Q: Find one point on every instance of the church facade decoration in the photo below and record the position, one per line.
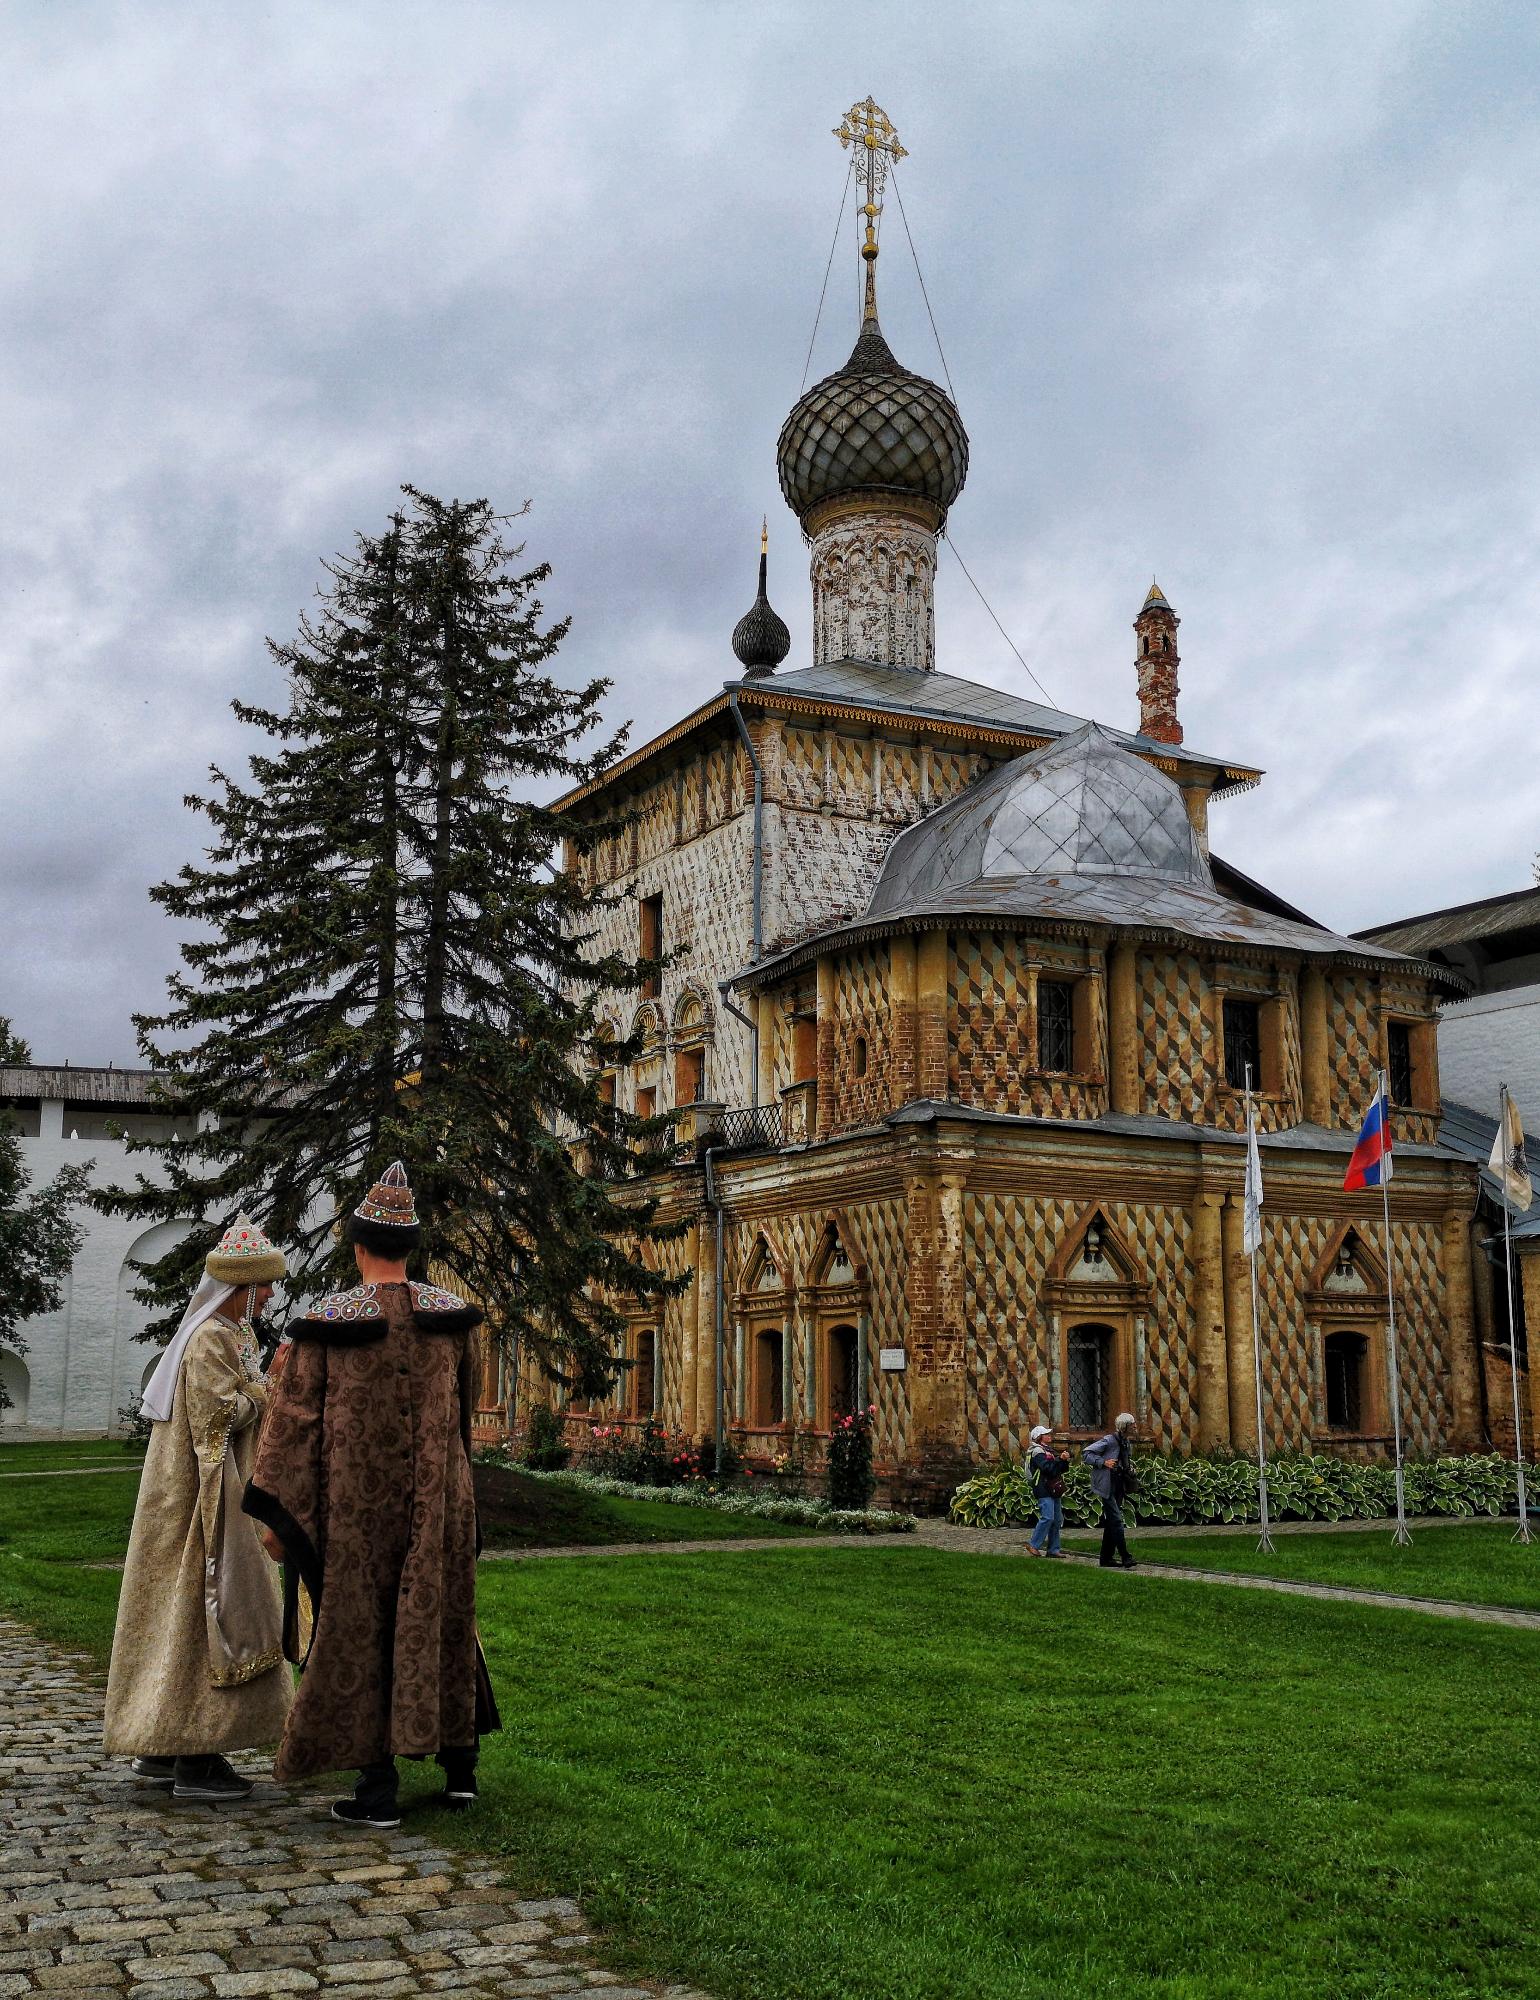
(987, 1008)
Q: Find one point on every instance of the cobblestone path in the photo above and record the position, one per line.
(110, 1892)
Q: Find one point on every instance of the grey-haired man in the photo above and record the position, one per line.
(1111, 1461)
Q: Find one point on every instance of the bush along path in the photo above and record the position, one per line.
(107, 1890)
(1300, 1487)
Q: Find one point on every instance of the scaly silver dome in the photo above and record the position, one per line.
(872, 426)
(1083, 806)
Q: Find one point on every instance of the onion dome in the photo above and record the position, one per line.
(760, 637)
(872, 427)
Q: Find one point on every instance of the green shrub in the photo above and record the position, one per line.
(1305, 1486)
(750, 1506)
(848, 1472)
(544, 1449)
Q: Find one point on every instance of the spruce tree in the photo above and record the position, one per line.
(39, 1237)
(390, 960)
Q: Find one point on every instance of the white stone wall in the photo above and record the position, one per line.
(82, 1363)
(874, 578)
(1488, 1041)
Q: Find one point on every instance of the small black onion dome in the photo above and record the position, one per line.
(872, 424)
(760, 637)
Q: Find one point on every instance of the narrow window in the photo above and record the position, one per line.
(842, 1372)
(605, 1087)
(804, 1047)
(644, 1376)
(650, 942)
(767, 1379)
(860, 1058)
(1398, 1049)
(1243, 1043)
(1346, 1355)
(1090, 1377)
(647, 1102)
(689, 1076)
(1056, 1026)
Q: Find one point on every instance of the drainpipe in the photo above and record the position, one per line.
(759, 812)
(714, 1200)
(751, 1022)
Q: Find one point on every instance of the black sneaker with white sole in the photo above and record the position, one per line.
(379, 1818)
(460, 1791)
(155, 1770)
(209, 1781)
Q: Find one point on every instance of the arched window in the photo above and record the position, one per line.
(843, 1376)
(860, 1055)
(1346, 1356)
(768, 1376)
(1090, 1377)
(644, 1376)
(17, 1383)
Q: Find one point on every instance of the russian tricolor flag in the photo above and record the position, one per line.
(1371, 1165)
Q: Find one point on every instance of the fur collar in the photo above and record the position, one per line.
(352, 1317)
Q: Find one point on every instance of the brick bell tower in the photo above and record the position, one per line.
(1157, 661)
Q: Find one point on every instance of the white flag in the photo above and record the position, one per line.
(1508, 1161)
(1251, 1233)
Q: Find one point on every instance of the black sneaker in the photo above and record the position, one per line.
(209, 1781)
(1128, 1563)
(353, 1812)
(155, 1770)
(460, 1791)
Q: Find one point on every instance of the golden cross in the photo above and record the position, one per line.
(868, 126)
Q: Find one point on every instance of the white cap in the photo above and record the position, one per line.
(1041, 1431)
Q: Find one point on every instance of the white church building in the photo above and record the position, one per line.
(83, 1363)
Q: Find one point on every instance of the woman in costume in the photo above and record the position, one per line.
(197, 1657)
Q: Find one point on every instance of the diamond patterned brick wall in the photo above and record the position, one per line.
(902, 791)
(1352, 1031)
(825, 865)
(802, 772)
(1160, 1238)
(989, 1049)
(1421, 1336)
(1006, 1249)
(850, 774)
(1174, 1036)
(862, 1013)
(1292, 1248)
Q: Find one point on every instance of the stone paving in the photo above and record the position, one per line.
(108, 1891)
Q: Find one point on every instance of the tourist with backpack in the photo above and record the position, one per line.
(1112, 1480)
(1048, 1468)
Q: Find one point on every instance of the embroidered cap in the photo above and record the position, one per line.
(245, 1256)
(390, 1200)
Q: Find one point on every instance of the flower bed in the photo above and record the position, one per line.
(1300, 1487)
(750, 1506)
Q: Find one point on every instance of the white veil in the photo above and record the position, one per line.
(160, 1390)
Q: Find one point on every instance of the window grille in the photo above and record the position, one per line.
(1056, 1026)
(1090, 1370)
(1243, 1043)
(1398, 1040)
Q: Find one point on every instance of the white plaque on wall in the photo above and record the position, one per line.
(891, 1359)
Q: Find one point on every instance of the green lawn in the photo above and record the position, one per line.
(1467, 1562)
(895, 1774)
(901, 1775)
(68, 1454)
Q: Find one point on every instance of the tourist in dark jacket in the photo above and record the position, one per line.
(1111, 1461)
(1048, 1468)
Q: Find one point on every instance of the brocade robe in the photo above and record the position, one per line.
(364, 1475)
(197, 1662)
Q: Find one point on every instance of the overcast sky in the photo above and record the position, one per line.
(1243, 297)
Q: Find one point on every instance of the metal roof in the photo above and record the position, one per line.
(945, 698)
(1083, 832)
(1471, 1134)
(25, 1081)
(1464, 923)
(1082, 806)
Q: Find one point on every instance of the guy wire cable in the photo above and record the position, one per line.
(951, 391)
(823, 293)
(924, 294)
(1032, 677)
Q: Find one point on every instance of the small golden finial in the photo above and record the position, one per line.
(869, 126)
(764, 534)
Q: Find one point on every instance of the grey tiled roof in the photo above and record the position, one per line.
(1466, 923)
(912, 691)
(24, 1081)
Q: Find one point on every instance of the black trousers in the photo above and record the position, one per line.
(377, 1782)
(1114, 1540)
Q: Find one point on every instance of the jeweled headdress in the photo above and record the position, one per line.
(390, 1200)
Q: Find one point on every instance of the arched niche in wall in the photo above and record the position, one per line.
(836, 1300)
(762, 1336)
(16, 1379)
(132, 1316)
(1097, 1300)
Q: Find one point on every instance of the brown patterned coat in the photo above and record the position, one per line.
(364, 1475)
(196, 1665)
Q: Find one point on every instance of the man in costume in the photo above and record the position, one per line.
(363, 1482)
(197, 1660)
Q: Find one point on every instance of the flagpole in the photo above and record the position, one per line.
(1265, 1540)
(1393, 1357)
(1523, 1534)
